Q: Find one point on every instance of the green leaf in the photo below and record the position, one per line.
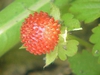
(99, 60)
(86, 10)
(62, 53)
(55, 12)
(50, 57)
(66, 47)
(11, 20)
(63, 5)
(84, 64)
(72, 47)
(70, 21)
(95, 39)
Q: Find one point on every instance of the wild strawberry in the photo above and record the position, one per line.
(40, 33)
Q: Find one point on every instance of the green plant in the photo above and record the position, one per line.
(73, 15)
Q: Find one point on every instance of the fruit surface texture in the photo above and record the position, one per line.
(40, 33)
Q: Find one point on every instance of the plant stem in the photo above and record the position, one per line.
(82, 42)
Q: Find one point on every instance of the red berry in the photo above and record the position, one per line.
(40, 33)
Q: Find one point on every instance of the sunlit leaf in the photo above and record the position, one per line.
(55, 12)
(62, 53)
(50, 57)
(70, 22)
(86, 10)
(72, 47)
